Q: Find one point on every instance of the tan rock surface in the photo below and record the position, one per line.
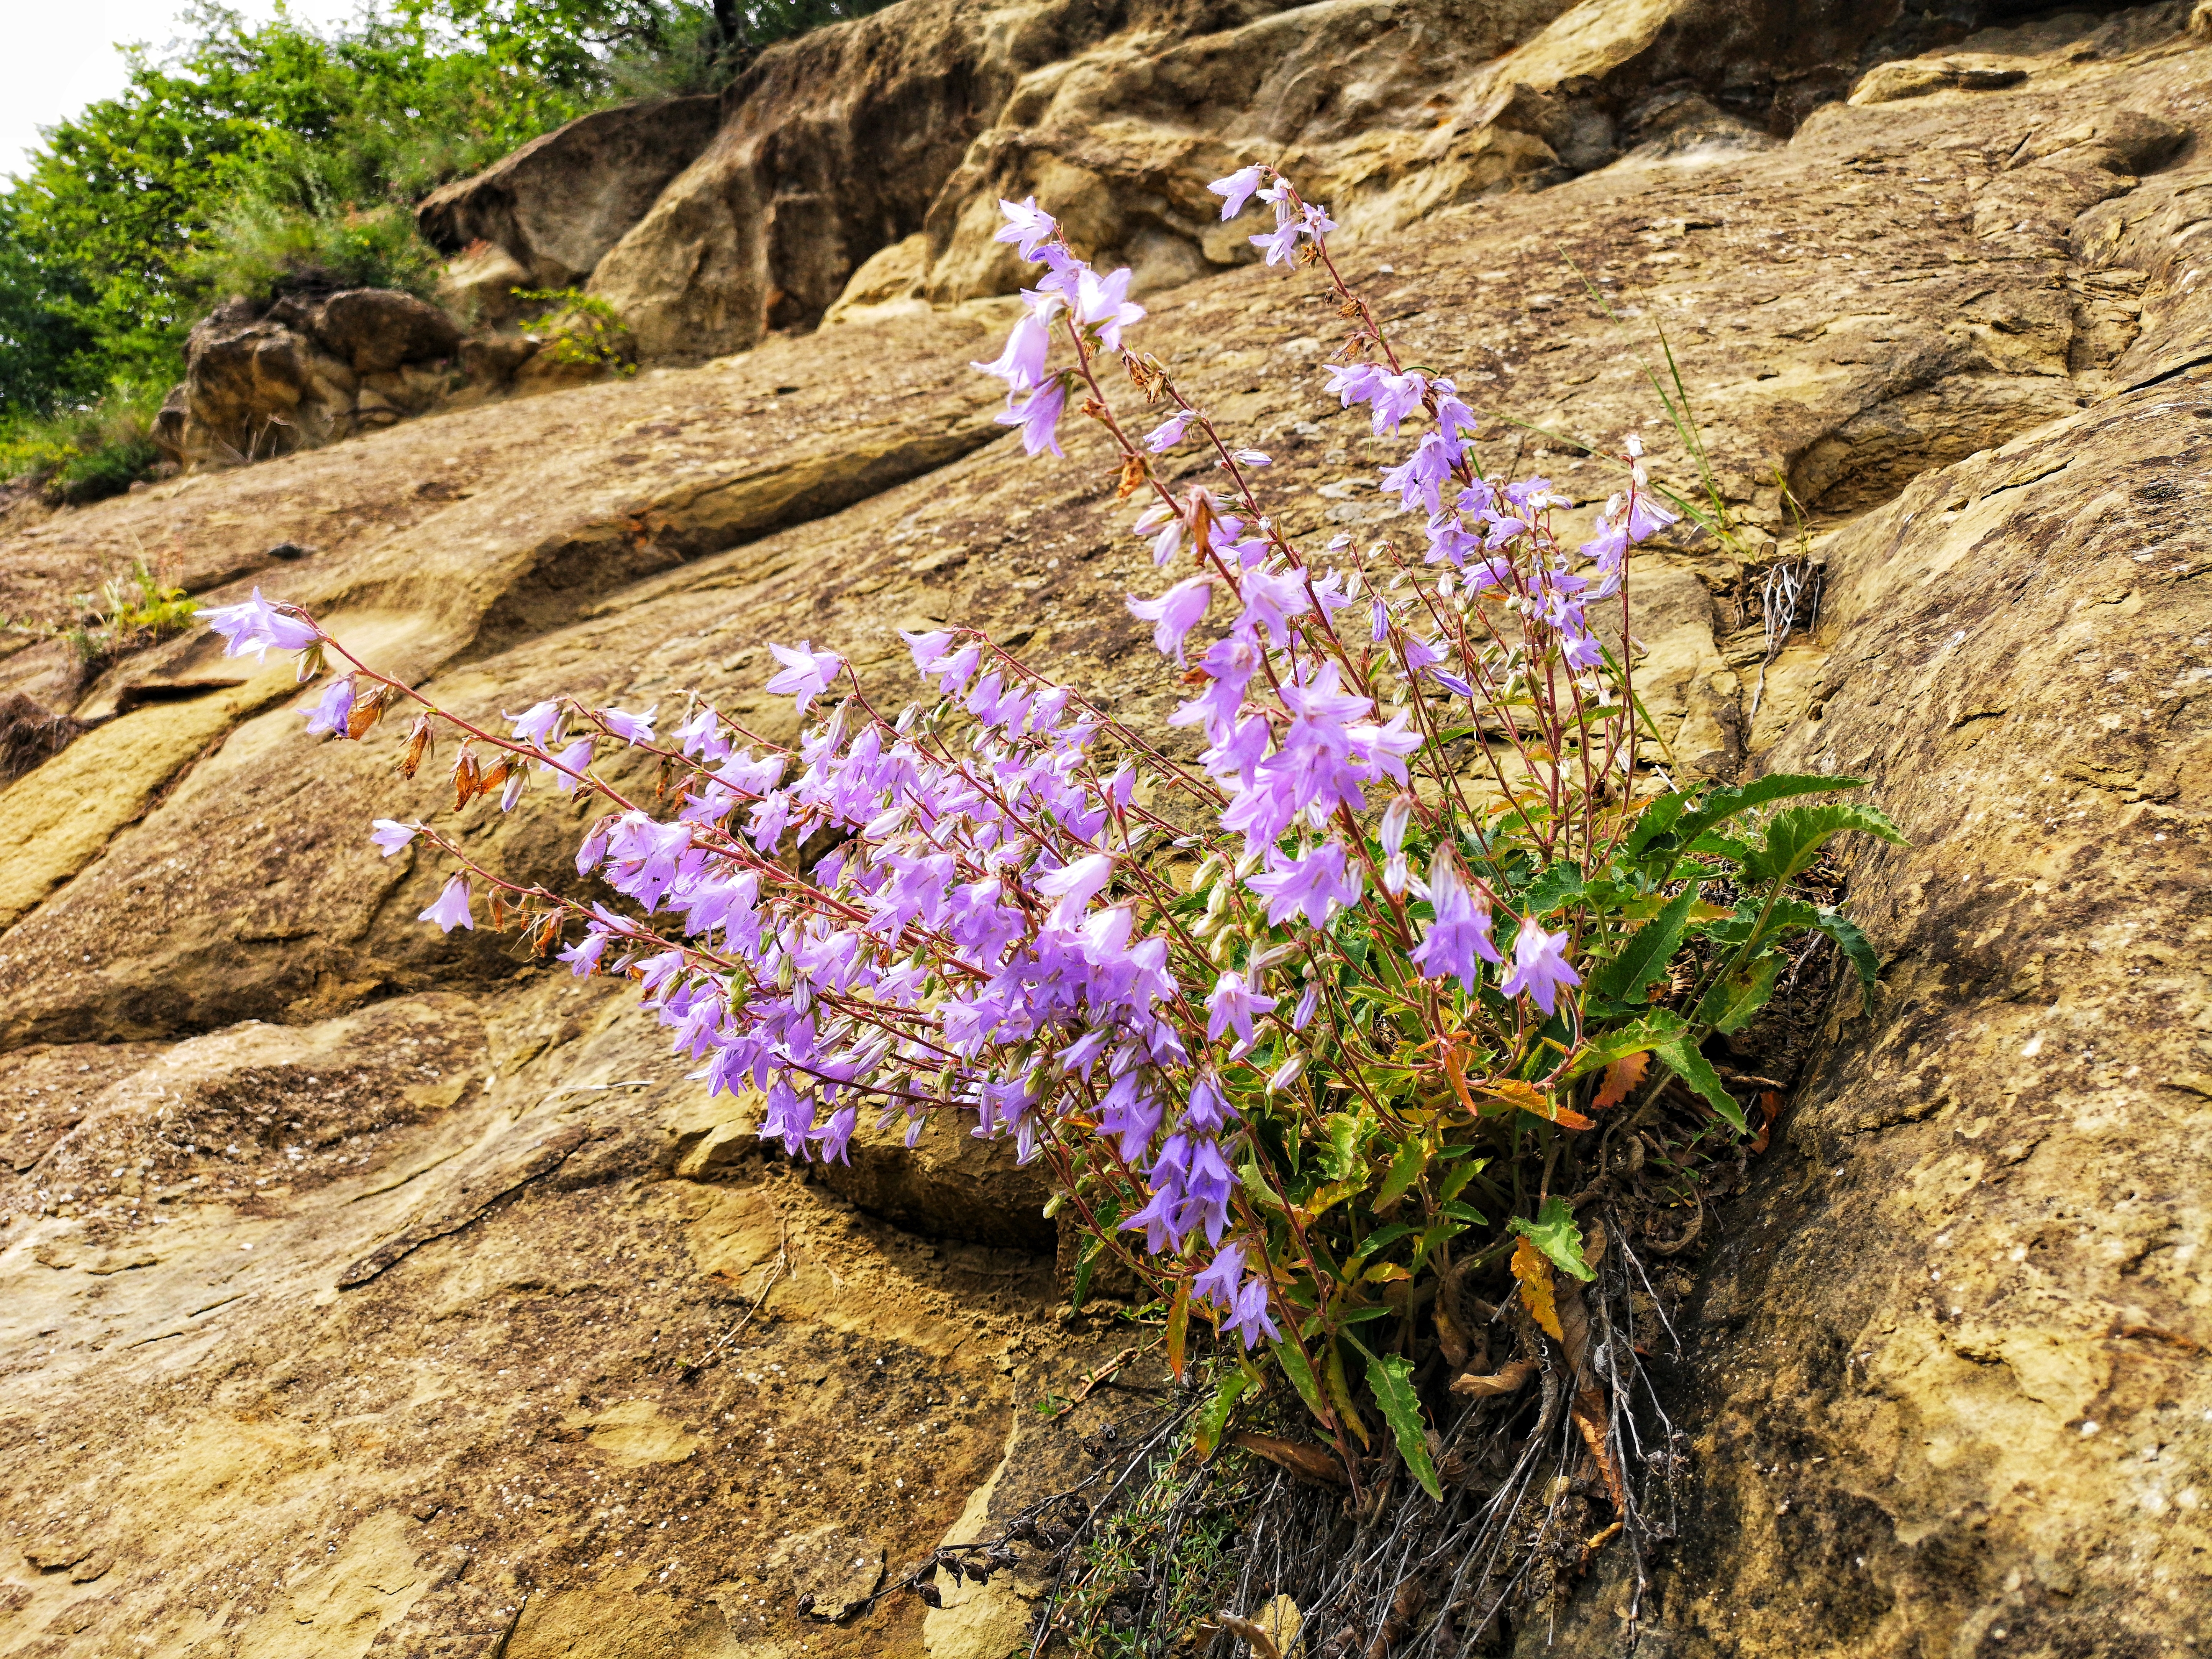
(257, 1448)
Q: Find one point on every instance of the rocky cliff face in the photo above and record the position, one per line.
(366, 1293)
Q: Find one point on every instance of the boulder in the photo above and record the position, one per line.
(554, 208)
(843, 143)
(303, 371)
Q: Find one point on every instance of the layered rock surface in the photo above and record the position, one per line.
(493, 1325)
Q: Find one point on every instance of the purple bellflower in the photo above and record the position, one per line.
(451, 910)
(1539, 969)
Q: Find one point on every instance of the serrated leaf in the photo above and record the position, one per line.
(1857, 946)
(1794, 838)
(1553, 1232)
(1732, 1002)
(1683, 1059)
(1533, 1272)
(1384, 1273)
(1645, 955)
(1296, 1366)
(1722, 805)
(1656, 823)
(1214, 1416)
(1561, 883)
(1459, 1211)
(1361, 1315)
(1391, 1378)
(1654, 1028)
(1340, 1154)
(1621, 1077)
(1404, 1170)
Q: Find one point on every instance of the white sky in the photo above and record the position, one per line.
(60, 55)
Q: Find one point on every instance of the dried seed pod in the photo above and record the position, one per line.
(465, 778)
(368, 708)
(420, 742)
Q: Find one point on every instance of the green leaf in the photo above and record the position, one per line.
(1459, 1211)
(1296, 1366)
(1794, 838)
(1553, 1232)
(1453, 1183)
(1722, 805)
(1648, 951)
(1683, 1059)
(1732, 1002)
(1391, 1377)
(1361, 1315)
(1404, 1170)
(1657, 825)
(1339, 1155)
(1649, 1032)
(1856, 945)
(1381, 1239)
(1214, 1416)
(1559, 885)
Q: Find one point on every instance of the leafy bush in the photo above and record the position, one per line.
(1323, 1029)
(260, 150)
(581, 330)
(261, 248)
(86, 453)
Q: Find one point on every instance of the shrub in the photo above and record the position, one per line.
(1322, 1004)
(261, 248)
(581, 330)
(84, 454)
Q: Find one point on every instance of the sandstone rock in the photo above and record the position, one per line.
(265, 382)
(1840, 314)
(479, 284)
(550, 210)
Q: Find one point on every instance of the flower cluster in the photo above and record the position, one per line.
(1221, 976)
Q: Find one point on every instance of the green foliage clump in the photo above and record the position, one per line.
(257, 156)
(87, 453)
(581, 330)
(261, 248)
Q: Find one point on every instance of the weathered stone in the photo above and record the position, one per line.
(1995, 429)
(555, 206)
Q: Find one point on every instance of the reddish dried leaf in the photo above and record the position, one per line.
(1310, 1461)
(1770, 1105)
(1620, 1078)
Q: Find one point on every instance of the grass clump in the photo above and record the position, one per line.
(85, 453)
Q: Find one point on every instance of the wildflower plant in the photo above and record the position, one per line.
(1306, 1000)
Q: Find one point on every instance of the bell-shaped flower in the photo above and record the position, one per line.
(1038, 416)
(331, 714)
(1168, 433)
(1027, 225)
(1230, 1005)
(1540, 969)
(1237, 189)
(537, 725)
(1102, 303)
(632, 728)
(1461, 931)
(806, 672)
(390, 835)
(1175, 613)
(451, 908)
(256, 625)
